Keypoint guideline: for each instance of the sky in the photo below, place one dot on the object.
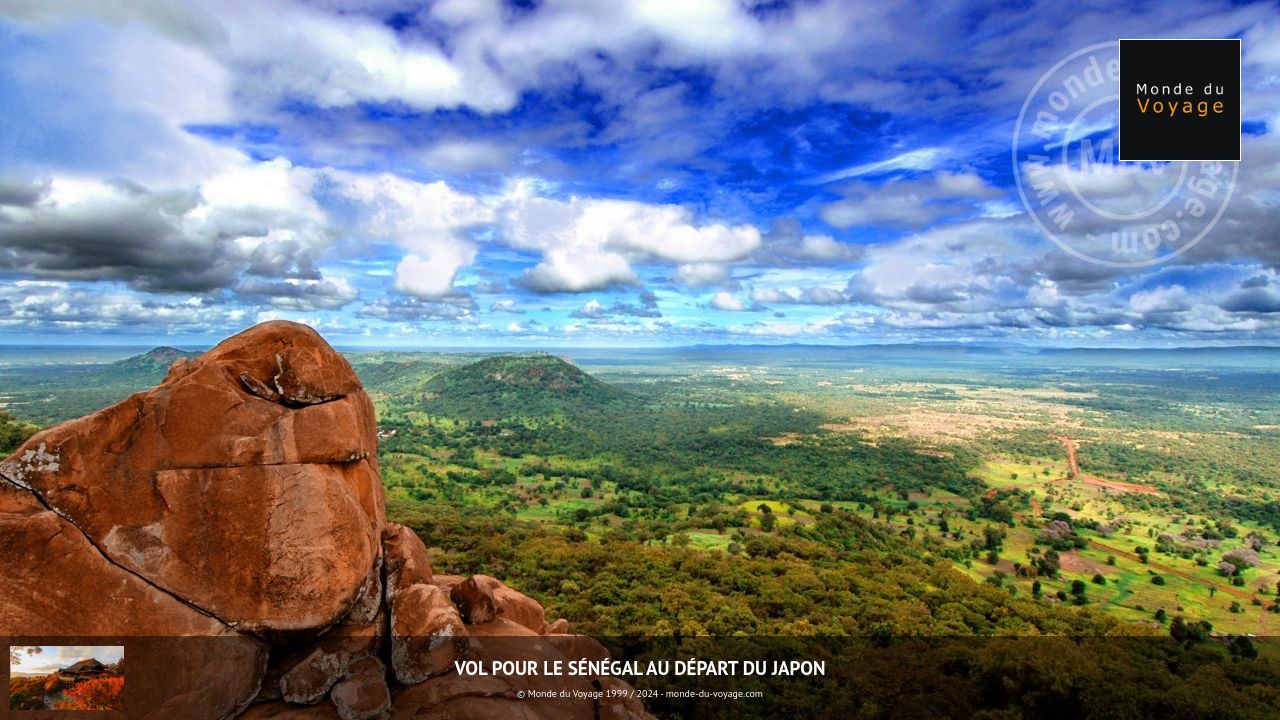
(590, 173)
(55, 657)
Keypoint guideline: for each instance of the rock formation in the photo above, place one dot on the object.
(228, 526)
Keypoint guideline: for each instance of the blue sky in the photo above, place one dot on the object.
(592, 173)
(55, 657)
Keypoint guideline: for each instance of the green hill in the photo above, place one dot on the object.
(519, 385)
(145, 370)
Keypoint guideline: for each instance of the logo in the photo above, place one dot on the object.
(1180, 100)
(1082, 196)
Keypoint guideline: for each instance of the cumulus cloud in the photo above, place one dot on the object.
(787, 245)
(595, 310)
(54, 306)
(156, 96)
(430, 220)
(589, 244)
(299, 294)
(506, 305)
(412, 309)
(724, 300)
(697, 275)
(812, 295)
(254, 218)
(909, 203)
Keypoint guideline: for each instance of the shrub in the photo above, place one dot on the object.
(98, 694)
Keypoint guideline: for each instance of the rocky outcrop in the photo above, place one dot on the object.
(229, 527)
(262, 509)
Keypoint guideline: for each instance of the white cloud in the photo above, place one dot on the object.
(464, 156)
(919, 159)
(696, 275)
(589, 244)
(36, 305)
(505, 305)
(427, 219)
(727, 301)
(254, 217)
(566, 270)
(771, 296)
(431, 275)
(909, 203)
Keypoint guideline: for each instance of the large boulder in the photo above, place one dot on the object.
(245, 484)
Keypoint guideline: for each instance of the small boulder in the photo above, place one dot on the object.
(427, 633)
(481, 598)
(308, 681)
(407, 560)
(363, 692)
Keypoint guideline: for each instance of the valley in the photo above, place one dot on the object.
(795, 491)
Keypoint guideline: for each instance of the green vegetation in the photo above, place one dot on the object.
(518, 386)
(873, 495)
(851, 492)
(13, 432)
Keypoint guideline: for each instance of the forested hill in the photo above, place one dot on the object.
(520, 385)
(143, 370)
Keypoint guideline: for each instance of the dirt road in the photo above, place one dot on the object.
(1172, 571)
(1097, 481)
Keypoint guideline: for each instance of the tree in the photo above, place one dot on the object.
(97, 694)
(768, 521)
(1241, 646)
(1098, 579)
(1157, 580)
(992, 538)
(17, 651)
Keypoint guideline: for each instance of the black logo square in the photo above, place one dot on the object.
(1179, 100)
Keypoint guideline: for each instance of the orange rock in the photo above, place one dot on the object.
(240, 502)
(523, 697)
(53, 582)
(310, 679)
(281, 711)
(406, 558)
(481, 598)
(363, 692)
(246, 483)
(579, 647)
(447, 582)
(427, 634)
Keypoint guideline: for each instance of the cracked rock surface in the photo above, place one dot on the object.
(229, 527)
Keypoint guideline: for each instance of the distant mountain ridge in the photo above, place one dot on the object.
(511, 385)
